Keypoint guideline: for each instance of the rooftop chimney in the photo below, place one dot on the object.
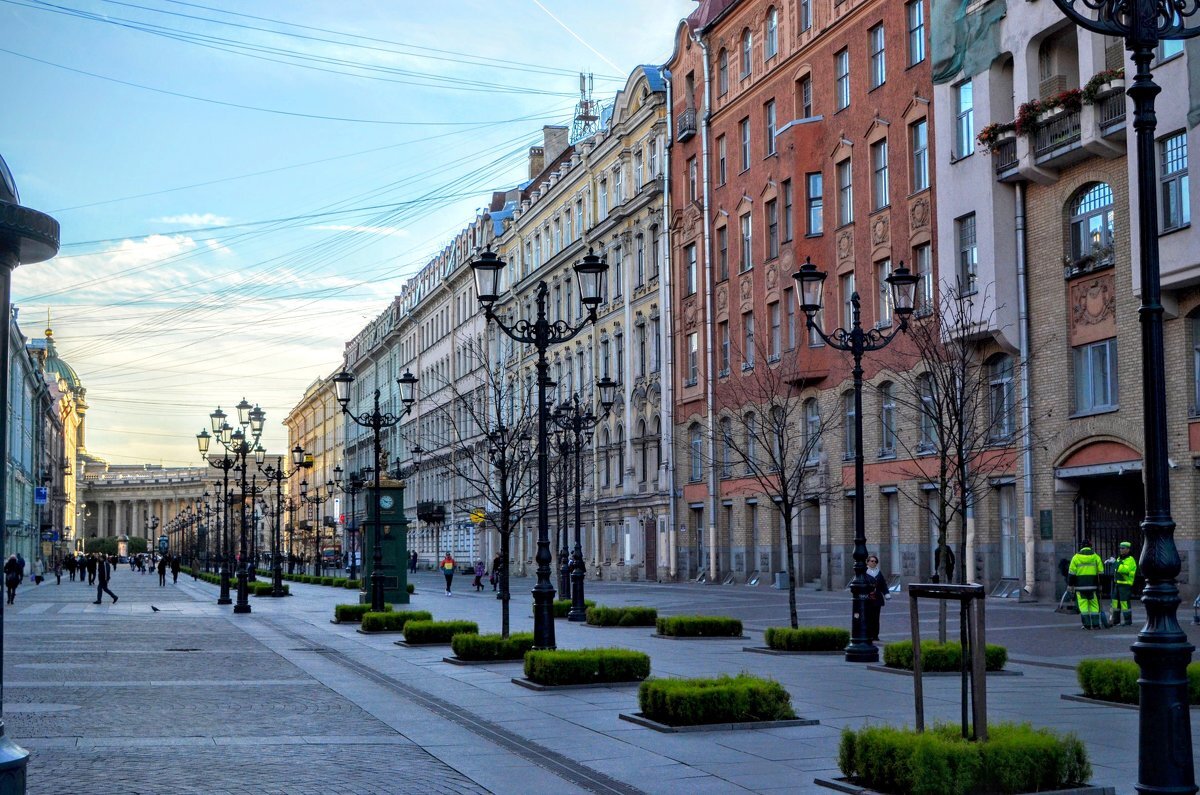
(537, 160)
(556, 139)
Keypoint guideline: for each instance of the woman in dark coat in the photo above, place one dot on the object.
(12, 577)
(876, 597)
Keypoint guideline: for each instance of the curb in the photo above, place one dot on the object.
(640, 720)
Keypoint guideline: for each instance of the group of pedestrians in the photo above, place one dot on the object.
(447, 567)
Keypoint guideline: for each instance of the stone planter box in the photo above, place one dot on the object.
(700, 637)
(847, 786)
(457, 661)
(784, 653)
(1111, 87)
(382, 632)
(1102, 703)
(641, 720)
(530, 685)
(885, 669)
(408, 645)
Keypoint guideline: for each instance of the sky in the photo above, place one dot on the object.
(243, 185)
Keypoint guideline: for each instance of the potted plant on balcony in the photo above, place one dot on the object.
(1109, 81)
(1026, 122)
(1068, 101)
(996, 134)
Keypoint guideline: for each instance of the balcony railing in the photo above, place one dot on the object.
(1110, 111)
(686, 124)
(1063, 130)
(1005, 156)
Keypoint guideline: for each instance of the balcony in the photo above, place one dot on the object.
(1004, 159)
(685, 124)
(1110, 114)
(1057, 137)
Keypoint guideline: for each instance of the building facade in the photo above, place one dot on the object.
(313, 502)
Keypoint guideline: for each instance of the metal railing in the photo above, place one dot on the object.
(1110, 110)
(1005, 156)
(686, 124)
(1062, 130)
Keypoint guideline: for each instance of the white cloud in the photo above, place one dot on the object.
(386, 231)
(194, 219)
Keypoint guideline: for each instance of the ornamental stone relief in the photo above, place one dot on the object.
(1093, 304)
(879, 231)
(920, 213)
(747, 290)
(691, 313)
(772, 276)
(845, 246)
(722, 298)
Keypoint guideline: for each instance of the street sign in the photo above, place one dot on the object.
(478, 516)
(163, 544)
(41, 495)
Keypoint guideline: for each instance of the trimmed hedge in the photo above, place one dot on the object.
(937, 657)
(563, 606)
(328, 581)
(437, 631)
(1016, 758)
(353, 613)
(586, 666)
(411, 589)
(1116, 680)
(265, 588)
(392, 620)
(727, 699)
(491, 647)
(699, 627)
(622, 616)
(352, 584)
(339, 582)
(807, 638)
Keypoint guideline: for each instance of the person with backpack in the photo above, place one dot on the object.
(12, 577)
(447, 567)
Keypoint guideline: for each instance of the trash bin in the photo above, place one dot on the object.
(781, 581)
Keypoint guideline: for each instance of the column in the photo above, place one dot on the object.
(122, 527)
(102, 518)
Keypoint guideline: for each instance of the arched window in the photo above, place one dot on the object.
(1000, 397)
(851, 431)
(747, 45)
(887, 419)
(644, 450)
(812, 430)
(726, 447)
(605, 441)
(751, 425)
(696, 445)
(927, 396)
(779, 437)
(1091, 212)
(620, 455)
(657, 444)
(771, 45)
(722, 73)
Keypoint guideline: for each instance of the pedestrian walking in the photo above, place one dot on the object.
(91, 568)
(174, 569)
(21, 563)
(103, 571)
(447, 567)
(70, 562)
(1083, 579)
(162, 572)
(1123, 585)
(58, 568)
(876, 597)
(495, 578)
(479, 572)
(35, 570)
(412, 562)
(12, 577)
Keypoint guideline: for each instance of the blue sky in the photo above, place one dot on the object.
(241, 185)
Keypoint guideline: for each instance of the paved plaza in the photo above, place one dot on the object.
(165, 692)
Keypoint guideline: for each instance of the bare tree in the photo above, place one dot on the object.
(773, 431)
(490, 418)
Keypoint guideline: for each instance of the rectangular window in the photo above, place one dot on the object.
(918, 133)
(1095, 376)
(618, 186)
(693, 172)
(964, 125)
(604, 198)
(776, 341)
(1169, 49)
(875, 38)
(1173, 177)
(744, 127)
(968, 253)
(638, 176)
(845, 194)
(915, 12)
(805, 15)
(614, 274)
(847, 285)
(653, 146)
(748, 340)
(851, 426)
(620, 357)
(879, 175)
(841, 68)
(804, 95)
(722, 253)
(816, 203)
(769, 121)
(579, 218)
(640, 240)
(1194, 325)
(721, 169)
(787, 210)
(693, 358)
(882, 271)
(689, 274)
(723, 332)
(772, 208)
(746, 249)
(923, 267)
(789, 306)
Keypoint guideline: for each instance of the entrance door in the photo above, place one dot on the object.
(1110, 510)
(650, 544)
(1010, 543)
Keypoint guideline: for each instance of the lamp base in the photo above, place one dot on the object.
(13, 763)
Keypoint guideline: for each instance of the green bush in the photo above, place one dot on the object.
(1016, 758)
(563, 606)
(622, 616)
(807, 638)
(937, 657)
(355, 584)
(586, 666)
(339, 582)
(264, 588)
(392, 620)
(353, 613)
(699, 626)
(727, 699)
(328, 580)
(411, 589)
(1116, 680)
(492, 647)
(437, 631)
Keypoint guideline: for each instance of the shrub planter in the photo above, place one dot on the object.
(428, 633)
(491, 648)
(692, 627)
(938, 658)
(848, 786)
(391, 621)
(1114, 682)
(266, 589)
(805, 640)
(642, 720)
(353, 584)
(714, 702)
(621, 616)
(1016, 758)
(352, 614)
(563, 606)
(583, 667)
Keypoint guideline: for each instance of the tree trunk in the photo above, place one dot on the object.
(791, 566)
(502, 577)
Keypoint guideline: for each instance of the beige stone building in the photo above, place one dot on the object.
(315, 424)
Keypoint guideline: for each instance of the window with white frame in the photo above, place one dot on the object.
(1091, 212)
(887, 419)
(721, 160)
(726, 447)
(769, 123)
(786, 188)
(968, 253)
(1001, 399)
(816, 203)
(722, 252)
(851, 415)
(747, 250)
(805, 15)
(918, 134)
(841, 68)
(747, 46)
(1168, 48)
(804, 107)
(744, 128)
(789, 311)
(927, 400)
(1173, 181)
(696, 449)
(723, 337)
(812, 430)
(845, 193)
(964, 121)
(638, 176)
(603, 209)
(693, 358)
(772, 212)
(689, 268)
(883, 270)
(1095, 371)
(879, 174)
(876, 42)
(748, 340)
(915, 14)
(923, 268)
(750, 421)
(846, 282)
(775, 343)
(771, 41)
(640, 252)
(618, 186)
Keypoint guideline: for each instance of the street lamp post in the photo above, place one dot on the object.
(856, 340)
(225, 464)
(564, 442)
(276, 475)
(376, 420)
(318, 499)
(541, 332)
(571, 417)
(353, 485)
(1161, 651)
(506, 446)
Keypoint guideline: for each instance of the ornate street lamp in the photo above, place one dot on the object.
(541, 332)
(225, 464)
(1161, 651)
(376, 420)
(277, 475)
(572, 417)
(857, 341)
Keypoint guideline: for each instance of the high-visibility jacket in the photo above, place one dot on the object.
(1085, 569)
(1126, 570)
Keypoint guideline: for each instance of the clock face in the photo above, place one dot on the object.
(386, 502)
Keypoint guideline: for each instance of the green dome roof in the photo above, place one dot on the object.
(54, 364)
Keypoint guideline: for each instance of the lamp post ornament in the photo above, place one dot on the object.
(277, 474)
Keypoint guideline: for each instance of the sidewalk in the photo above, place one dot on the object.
(298, 704)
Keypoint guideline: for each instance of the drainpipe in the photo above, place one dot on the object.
(666, 350)
(709, 354)
(1026, 421)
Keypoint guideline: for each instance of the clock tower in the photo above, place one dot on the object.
(394, 535)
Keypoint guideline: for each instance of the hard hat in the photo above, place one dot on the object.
(1124, 544)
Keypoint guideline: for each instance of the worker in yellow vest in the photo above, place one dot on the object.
(1083, 578)
(1123, 585)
